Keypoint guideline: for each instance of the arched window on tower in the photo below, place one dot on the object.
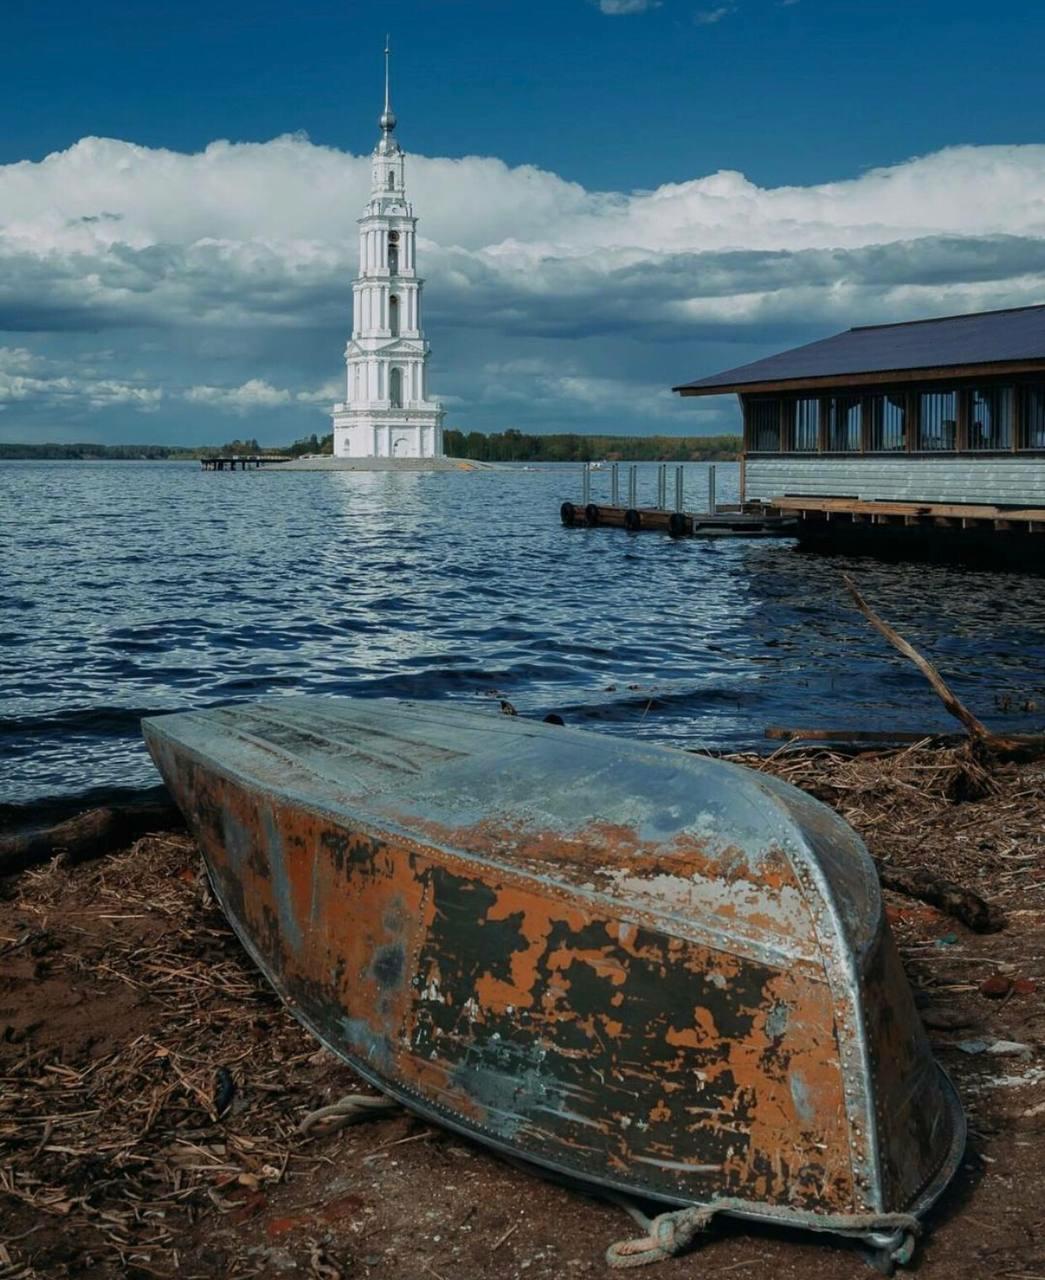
(393, 316)
(393, 252)
(395, 388)
(391, 179)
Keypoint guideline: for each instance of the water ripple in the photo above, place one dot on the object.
(130, 588)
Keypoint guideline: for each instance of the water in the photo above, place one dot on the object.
(132, 588)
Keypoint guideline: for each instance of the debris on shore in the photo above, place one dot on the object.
(153, 1087)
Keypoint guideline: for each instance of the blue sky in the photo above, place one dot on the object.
(576, 166)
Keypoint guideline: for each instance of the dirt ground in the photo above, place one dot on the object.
(153, 1086)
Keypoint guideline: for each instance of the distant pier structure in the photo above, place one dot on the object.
(387, 412)
(242, 462)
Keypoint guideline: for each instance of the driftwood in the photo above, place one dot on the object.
(781, 734)
(1017, 747)
(88, 835)
(945, 895)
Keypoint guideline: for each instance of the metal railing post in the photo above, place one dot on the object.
(662, 487)
(678, 488)
(711, 490)
(586, 485)
(615, 485)
(632, 485)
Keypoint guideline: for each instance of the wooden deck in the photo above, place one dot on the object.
(938, 515)
(725, 522)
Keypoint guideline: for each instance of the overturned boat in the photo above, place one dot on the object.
(641, 968)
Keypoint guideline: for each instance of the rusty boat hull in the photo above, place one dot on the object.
(631, 965)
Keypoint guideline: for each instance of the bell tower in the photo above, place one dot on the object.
(387, 412)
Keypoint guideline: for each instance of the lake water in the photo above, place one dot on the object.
(132, 588)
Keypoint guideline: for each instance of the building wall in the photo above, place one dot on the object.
(998, 481)
(362, 436)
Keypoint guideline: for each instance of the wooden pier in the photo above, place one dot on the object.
(726, 522)
(719, 520)
(245, 463)
(979, 534)
(936, 515)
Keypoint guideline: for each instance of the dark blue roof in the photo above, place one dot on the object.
(986, 337)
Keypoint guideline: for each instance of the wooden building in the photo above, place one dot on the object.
(930, 421)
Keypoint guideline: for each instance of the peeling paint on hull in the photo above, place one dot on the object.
(636, 966)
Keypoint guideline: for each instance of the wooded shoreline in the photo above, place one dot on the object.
(505, 446)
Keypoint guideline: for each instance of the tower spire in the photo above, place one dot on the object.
(388, 120)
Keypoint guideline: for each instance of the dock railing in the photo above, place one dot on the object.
(660, 502)
(734, 519)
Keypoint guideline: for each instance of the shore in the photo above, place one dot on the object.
(154, 1085)
(381, 464)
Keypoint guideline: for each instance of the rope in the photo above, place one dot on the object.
(346, 1111)
(667, 1235)
(670, 1234)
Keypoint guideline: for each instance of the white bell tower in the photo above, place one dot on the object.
(387, 413)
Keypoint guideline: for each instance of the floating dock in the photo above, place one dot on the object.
(729, 520)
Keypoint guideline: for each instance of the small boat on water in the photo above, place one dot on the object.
(637, 967)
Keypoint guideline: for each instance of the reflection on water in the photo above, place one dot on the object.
(129, 588)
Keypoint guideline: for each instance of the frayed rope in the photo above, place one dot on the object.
(670, 1234)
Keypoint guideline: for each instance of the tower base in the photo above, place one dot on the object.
(410, 433)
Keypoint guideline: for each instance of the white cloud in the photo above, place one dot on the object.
(238, 260)
(708, 17)
(29, 379)
(628, 6)
(256, 393)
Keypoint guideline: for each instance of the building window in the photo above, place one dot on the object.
(393, 316)
(1033, 405)
(990, 418)
(391, 179)
(806, 430)
(395, 388)
(763, 419)
(938, 420)
(888, 423)
(845, 415)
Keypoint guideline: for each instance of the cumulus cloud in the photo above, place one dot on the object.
(256, 393)
(28, 379)
(237, 260)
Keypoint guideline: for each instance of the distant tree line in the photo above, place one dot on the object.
(80, 452)
(500, 446)
(311, 444)
(161, 452)
(516, 446)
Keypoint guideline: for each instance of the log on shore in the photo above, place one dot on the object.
(950, 898)
(90, 834)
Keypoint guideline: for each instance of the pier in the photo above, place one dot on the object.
(245, 463)
(717, 520)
